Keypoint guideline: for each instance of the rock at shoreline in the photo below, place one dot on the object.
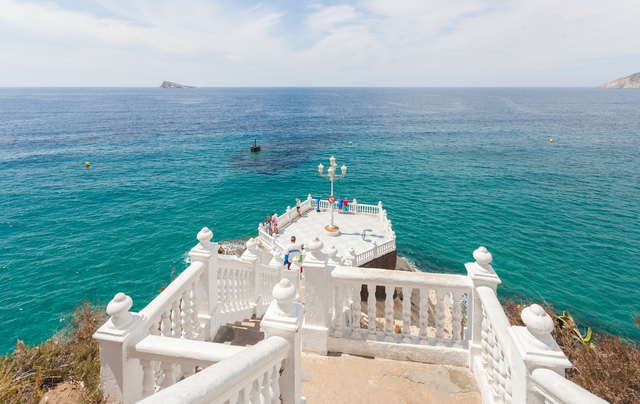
(168, 84)
(632, 81)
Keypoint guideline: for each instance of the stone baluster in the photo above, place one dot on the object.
(357, 311)
(316, 324)
(372, 311)
(275, 382)
(424, 316)
(232, 290)
(252, 255)
(284, 318)
(121, 377)
(406, 314)
(195, 324)
(486, 358)
(339, 310)
(246, 394)
(388, 313)
(185, 316)
(175, 319)
(256, 393)
(242, 289)
(222, 282)
(440, 296)
(165, 323)
(188, 370)
(456, 319)
(482, 275)
(168, 371)
(148, 379)
(207, 305)
(265, 383)
(354, 204)
(535, 348)
(234, 398)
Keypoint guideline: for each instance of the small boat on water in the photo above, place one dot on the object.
(255, 147)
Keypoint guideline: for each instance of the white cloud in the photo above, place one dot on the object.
(369, 42)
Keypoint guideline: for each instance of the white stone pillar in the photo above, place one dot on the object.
(355, 206)
(315, 328)
(252, 256)
(207, 252)
(120, 376)
(284, 319)
(481, 274)
(536, 348)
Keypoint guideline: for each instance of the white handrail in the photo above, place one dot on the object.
(557, 390)
(182, 351)
(250, 374)
(400, 279)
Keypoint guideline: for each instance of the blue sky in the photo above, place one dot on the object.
(313, 43)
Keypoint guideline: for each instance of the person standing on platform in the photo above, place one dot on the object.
(292, 253)
(267, 224)
(274, 222)
(345, 205)
(298, 206)
(340, 202)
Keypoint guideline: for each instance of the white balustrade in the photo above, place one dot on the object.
(347, 311)
(250, 376)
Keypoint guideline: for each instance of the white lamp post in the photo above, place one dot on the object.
(331, 175)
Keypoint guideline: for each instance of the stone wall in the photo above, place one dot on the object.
(387, 261)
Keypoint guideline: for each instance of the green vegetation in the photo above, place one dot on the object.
(72, 356)
(603, 364)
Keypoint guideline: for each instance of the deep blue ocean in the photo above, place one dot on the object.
(455, 168)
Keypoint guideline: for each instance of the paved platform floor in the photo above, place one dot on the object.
(357, 231)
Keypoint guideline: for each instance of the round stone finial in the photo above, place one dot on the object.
(316, 245)
(538, 322)
(118, 309)
(284, 293)
(482, 256)
(251, 244)
(204, 236)
(332, 251)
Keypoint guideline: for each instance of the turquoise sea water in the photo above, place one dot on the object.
(455, 169)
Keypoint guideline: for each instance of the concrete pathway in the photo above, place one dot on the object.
(342, 378)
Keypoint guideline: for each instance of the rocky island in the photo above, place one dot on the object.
(169, 84)
(632, 81)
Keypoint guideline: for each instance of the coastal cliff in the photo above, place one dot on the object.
(168, 84)
(632, 81)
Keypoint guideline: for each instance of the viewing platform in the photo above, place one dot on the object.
(365, 232)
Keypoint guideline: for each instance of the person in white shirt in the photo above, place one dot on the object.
(292, 252)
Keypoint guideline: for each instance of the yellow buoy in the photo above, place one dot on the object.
(350, 143)
(87, 164)
(551, 140)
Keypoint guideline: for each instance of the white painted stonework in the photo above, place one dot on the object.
(152, 356)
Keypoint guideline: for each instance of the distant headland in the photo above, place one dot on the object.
(168, 84)
(632, 81)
